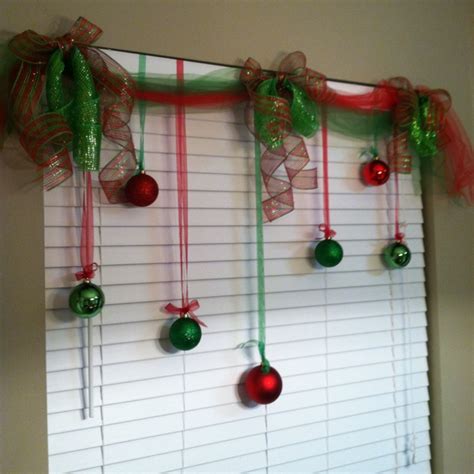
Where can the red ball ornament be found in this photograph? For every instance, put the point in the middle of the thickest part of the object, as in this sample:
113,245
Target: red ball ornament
375,172
263,387
141,190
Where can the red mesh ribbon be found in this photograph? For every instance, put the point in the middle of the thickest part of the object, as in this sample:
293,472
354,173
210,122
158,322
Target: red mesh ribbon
187,307
459,162
87,233
46,136
292,152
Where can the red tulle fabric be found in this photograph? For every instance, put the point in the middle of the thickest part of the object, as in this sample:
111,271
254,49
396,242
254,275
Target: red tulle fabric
459,160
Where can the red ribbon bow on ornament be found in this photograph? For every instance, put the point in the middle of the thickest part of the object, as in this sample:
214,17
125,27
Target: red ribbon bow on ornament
282,110
186,310
46,136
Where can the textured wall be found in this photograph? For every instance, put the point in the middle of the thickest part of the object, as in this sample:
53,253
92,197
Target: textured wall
430,42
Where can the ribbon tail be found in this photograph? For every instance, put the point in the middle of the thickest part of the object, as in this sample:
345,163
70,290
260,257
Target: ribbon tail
199,321
399,155
116,89
294,156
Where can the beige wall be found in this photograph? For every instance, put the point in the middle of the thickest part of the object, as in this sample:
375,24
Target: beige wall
430,42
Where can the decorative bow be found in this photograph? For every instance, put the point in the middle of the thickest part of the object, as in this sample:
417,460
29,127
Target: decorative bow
102,101
186,310
419,121
282,109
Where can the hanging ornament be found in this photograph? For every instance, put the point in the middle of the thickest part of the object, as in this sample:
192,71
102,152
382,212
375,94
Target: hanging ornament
375,171
185,333
263,383
141,190
86,300
263,386
397,255
328,252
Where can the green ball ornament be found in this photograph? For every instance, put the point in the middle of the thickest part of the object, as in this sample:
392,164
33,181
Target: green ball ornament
328,253
86,300
185,333
396,255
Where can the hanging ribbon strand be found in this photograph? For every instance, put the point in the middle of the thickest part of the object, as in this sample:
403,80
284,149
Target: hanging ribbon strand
86,300
89,267
260,262
282,111
396,254
141,189
185,333
47,136
328,252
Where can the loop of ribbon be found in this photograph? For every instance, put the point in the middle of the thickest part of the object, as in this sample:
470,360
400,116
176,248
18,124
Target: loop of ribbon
281,111
328,232
187,309
419,120
103,96
88,272
399,236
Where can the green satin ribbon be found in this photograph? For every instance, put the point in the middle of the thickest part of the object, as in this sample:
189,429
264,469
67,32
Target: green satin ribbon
81,110
424,133
272,123
260,261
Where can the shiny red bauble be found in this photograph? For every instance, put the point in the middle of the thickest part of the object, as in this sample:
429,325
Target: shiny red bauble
375,172
263,387
141,190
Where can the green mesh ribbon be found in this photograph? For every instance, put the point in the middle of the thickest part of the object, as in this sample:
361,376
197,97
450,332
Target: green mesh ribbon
423,134
275,116
80,108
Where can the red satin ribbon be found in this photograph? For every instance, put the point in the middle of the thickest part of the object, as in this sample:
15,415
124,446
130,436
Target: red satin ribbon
326,227
187,307
87,234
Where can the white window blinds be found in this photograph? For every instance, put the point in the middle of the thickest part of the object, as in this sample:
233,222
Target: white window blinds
349,342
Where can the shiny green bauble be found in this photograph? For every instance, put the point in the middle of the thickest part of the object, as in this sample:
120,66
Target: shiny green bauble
86,300
396,255
328,253
185,334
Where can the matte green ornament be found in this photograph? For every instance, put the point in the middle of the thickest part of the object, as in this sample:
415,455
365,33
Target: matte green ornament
396,255
86,300
185,333
328,253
